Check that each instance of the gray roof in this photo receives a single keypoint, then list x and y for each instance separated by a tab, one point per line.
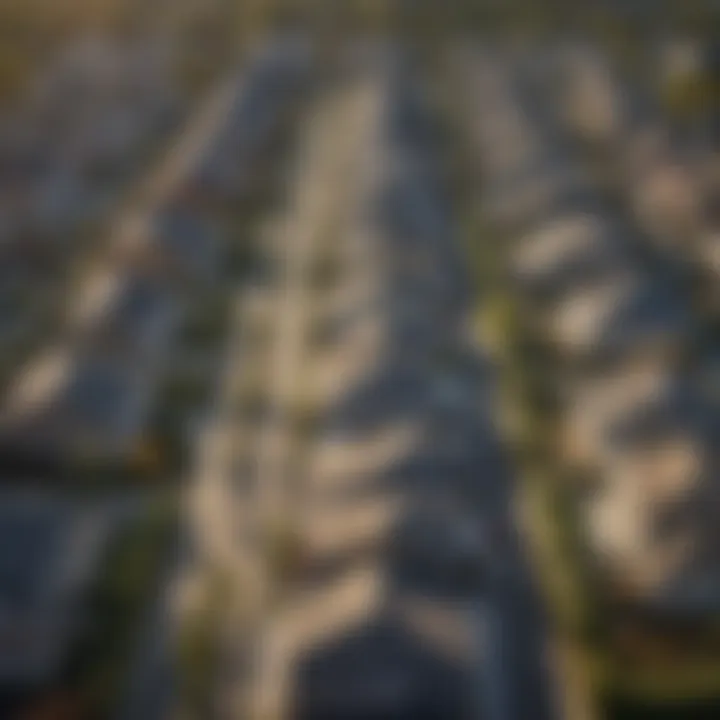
619	317
186	238
74	402
566	253
48	551
134	314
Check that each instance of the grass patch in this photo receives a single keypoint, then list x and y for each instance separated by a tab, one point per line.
197	647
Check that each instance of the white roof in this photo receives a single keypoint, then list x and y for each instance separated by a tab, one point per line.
573	240
644	518
39	382
620	314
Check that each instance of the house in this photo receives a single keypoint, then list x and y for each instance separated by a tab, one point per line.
70	405
548	186
593	102
668	200
566	253
618	318
172	241
50	549
650	518
644	433
126	312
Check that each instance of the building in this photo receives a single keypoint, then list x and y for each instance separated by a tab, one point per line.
129	313
622	318
50	549
566	254
70	405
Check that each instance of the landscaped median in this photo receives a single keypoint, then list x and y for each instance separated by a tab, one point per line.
545	506
197	650
527	416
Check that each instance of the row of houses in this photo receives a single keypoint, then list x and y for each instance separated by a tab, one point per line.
389	510
82	125
666	178
633	416
669	184
68	151
89	394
